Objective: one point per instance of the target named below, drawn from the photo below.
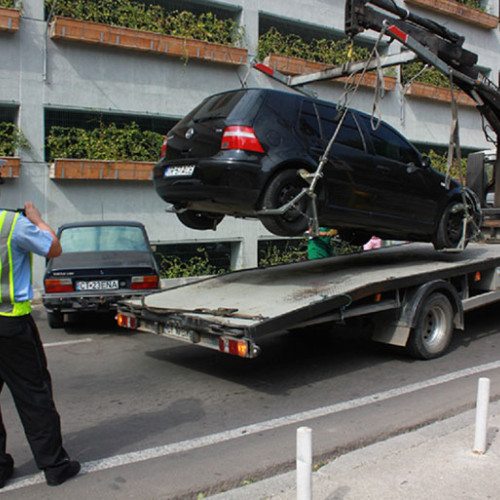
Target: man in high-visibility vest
(23, 365)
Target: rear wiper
(207, 118)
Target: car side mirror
(411, 168)
(426, 162)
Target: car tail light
(126, 320)
(164, 147)
(237, 137)
(58, 285)
(144, 282)
(231, 346)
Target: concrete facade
(38, 73)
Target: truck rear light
(164, 147)
(144, 282)
(58, 285)
(126, 320)
(231, 346)
(238, 137)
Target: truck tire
(431, 336)
(200, 220)
(284, 187)
(55, 319)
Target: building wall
(37, 73)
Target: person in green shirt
(321, 246)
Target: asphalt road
(151, 418)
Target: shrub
(439, 163)
(151, 17)
(172, 266)
(325, 51)
(107, 142)
(7, 3)
(11, 139)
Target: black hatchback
(248, 152)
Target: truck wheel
(200, 220)
(284, 187)
(434, 328)
(56, 319)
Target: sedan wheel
(284, 187)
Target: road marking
(248, 430)
(67, 342)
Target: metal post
(304, 463)
(483, 397)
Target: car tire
(281, 189)
(450, 228)
(200, 220)
(432, 334)
(356, 238)
(55, 319)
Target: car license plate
(180, 333)
(182, 171)
(97, 285)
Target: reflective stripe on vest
(8, 305)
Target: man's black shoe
(5, 475)
(58, 475)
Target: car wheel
(56, 319)
(356, 238)
(284, 187)
(434, 328)
(451, 225)
(199, 220)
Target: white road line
(248, 430)
(67, 342)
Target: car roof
(101, 223)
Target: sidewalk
(435, 461)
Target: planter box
(9, 19)
(63, 28)
(296, 66)
(101, 170)
(459, 11)
(426, 91)
(10, 170)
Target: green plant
(431, 76)
(11, 139)
(273, 255)
(106, 142)
(172, 266)
(439, 163)
(7, 3)
(475, 4)
(151, 17)
(326, 51)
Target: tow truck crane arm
(433, 44)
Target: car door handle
(383, 168)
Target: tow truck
(409, 295)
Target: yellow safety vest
(8, 305)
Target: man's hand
(33, 214)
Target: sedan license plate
(182, 171)
(84, 286)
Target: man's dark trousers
(23, 368)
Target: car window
(308, 120)
(217, 106)
(348, 135)
(103, 238)
(391, 145)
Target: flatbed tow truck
(410, 294)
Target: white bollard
(483, 398)
(304, 463)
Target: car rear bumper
(231, 183)
(86, 302)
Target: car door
(349, 174)
(404, 191)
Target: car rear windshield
(103, 239)
(215, 107)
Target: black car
(101, 263)
(246, 151)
